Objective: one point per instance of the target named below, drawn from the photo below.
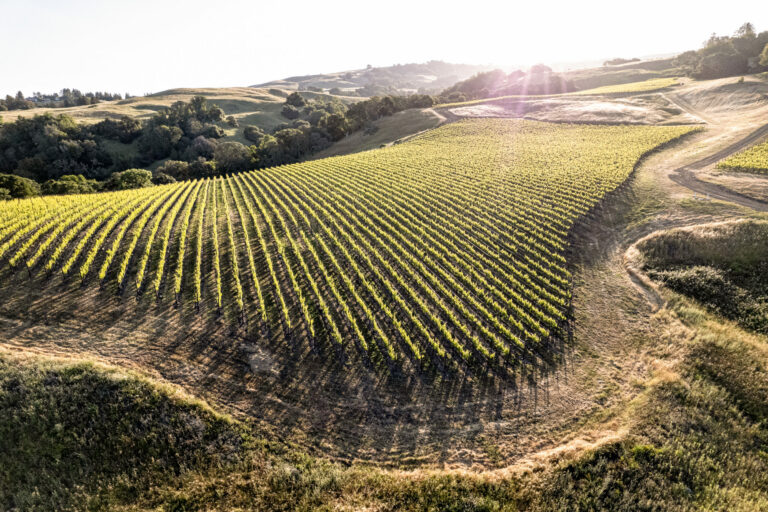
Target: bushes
(157, 142)
(289, 112)
(253, 134)
(131, 178)
(178, 170)
(723, 56)
(160, 178)
(125, 130)
(232, 157)
(18, 187)
(295, 100)
(47, 147)
(70, 184)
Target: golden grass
(653, 84)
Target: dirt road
(686, 177)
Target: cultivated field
(754, 159)
(447, 251)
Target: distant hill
(429, 77)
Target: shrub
(232, 157)
(231, 121)
(131, 178)
(125, 130)
(202, 168)
(295, 99)
(174, 169)
(70, 184)
(253, 134)
(160, 178)
(289, 112)
(19, 187)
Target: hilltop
(429, 77)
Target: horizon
(229, 46)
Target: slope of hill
(610, 414)
(250, 106)
(429, 77)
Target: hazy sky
(144, 46)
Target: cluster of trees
(66, 157)
(47, 147)
(185, 131)
(721, 56)
(540, 79)
(17, 187)
(64, 98)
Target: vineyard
(447, 251)
(754, 159)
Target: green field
(448, 250)
(754, 159)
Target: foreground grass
(81, 436)
(724, 266)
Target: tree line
(53, 154)
(721, 56)
(64, 98)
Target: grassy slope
(390, 129)
(723, 266)
(87, 436)
(644, 86)
(84, 434)
(250, 106)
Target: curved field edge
(445, 251)
(85, 435)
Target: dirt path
(686, 177)
(675, 99)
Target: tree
(232, 157)
(253, 134)
(746, 30)
(337, 126)
(128, 179)
(231, 121)
(160, 178)
(721, 64)
(125, 130)
(157, 142)
(175, 169)
(70, 184)
(19, 187)
(295, 99)
(764, 56)
(289, 112)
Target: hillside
(430, 77)
(250, 106)
(541, 303)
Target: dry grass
(389, 130)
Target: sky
(143, 46)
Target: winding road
(686, 177)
